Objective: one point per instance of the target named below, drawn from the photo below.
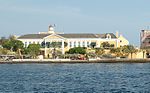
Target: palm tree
(125, 50)
(143, 53)
(129, 49)
(116, 51)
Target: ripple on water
(81, 78)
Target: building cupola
(51, 29)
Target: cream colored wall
(110, 42)
(123, 41)
(138, 55)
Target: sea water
(75, 78)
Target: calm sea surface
(75, 78)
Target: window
(93, 44)
(108, 36)
(83, 44)
(48, 44)
(88, 44)
(79, 44)
(74, 44)
(25, 44)
(70, 44)
(29, 42)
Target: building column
(76, 43)
(98, 43)
(63, 52)
(85, 43)
(81, 43)
(117, 41)
(90, 43)
(68, 46)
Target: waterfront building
(145, 39)
(123, 40)
(70, 40)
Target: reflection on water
(82, 78)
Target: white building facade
(67, 41)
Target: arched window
(108, 36)
(70, 44)
(83, 44)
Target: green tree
(116, 51)
(13, 45)
(2, 40)
(132, 50)
(129, 49)
(3, 51)
(24, 51)
(105, 45)
(17, 45)
(77, 50)
(99, 51)
(12, 37)
(125, 50)
(7, 44)
(33, 50)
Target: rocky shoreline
(18, 61)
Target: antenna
(54, 25)
(147, 27)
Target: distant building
(122, 39)
(145, 38)
(70, 40)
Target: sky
(128, 17)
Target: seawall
(20, 61)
